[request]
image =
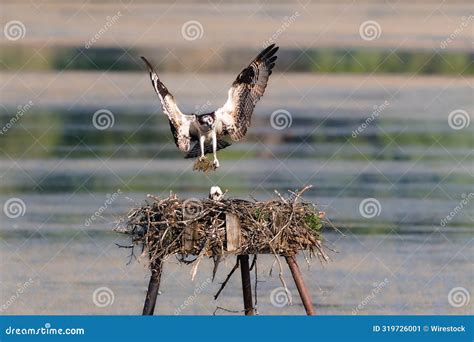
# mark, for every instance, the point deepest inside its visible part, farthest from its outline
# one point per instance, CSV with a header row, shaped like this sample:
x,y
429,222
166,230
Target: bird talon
x,y
216,163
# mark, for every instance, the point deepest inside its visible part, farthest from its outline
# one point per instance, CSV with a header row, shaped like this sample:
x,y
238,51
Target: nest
x,y
195,228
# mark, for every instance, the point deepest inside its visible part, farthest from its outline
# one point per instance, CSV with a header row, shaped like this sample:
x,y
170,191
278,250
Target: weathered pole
x,y
153,288
246,285
300,285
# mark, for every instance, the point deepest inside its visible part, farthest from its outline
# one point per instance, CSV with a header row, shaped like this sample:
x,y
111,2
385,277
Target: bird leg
x,y
214,149
202,138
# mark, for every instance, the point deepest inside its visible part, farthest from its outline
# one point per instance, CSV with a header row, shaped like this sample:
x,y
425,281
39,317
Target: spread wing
x,y
245,92
179,123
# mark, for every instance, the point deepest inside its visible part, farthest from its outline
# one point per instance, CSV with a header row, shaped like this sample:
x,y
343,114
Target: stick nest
x,y
194,228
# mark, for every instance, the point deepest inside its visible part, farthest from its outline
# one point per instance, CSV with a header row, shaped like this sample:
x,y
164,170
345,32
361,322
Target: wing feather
x,y
179,123
247,89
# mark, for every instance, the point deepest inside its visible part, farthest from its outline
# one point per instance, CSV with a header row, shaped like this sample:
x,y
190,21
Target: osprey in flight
x,y
232,119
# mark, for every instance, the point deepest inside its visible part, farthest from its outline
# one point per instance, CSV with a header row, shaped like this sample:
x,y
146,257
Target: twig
x,y
283,199
131,256
224,309
123,246
254,263
282,279
217,260
298,194
270,273
334,227
236,266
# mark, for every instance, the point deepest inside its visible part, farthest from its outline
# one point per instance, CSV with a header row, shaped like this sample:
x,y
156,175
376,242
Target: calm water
x,y
408,159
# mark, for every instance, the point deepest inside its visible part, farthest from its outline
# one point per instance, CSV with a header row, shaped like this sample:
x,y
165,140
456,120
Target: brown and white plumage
x,y
232,119
245,92
179,123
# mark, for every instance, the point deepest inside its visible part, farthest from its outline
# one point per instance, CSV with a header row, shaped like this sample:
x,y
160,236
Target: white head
x,y
215,193
206,121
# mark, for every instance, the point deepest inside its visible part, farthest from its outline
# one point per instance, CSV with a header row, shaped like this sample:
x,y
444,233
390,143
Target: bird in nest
x,y
215,193
207,130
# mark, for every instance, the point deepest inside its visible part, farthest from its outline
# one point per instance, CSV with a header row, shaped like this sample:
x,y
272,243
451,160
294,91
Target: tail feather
x,y
196,150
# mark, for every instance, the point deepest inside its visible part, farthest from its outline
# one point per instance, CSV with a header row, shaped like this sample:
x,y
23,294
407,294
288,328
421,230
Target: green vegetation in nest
x,y
313,221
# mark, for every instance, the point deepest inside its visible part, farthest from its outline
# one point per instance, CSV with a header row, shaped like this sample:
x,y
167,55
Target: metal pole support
x,y
153,289
300,285
246,285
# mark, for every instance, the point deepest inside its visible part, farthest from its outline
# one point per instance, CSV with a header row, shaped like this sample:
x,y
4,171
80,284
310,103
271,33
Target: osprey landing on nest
x,y
232,119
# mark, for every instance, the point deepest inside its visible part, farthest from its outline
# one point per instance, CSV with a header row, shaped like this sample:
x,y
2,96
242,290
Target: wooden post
x,y
233,235
153,288
246,285
300,285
